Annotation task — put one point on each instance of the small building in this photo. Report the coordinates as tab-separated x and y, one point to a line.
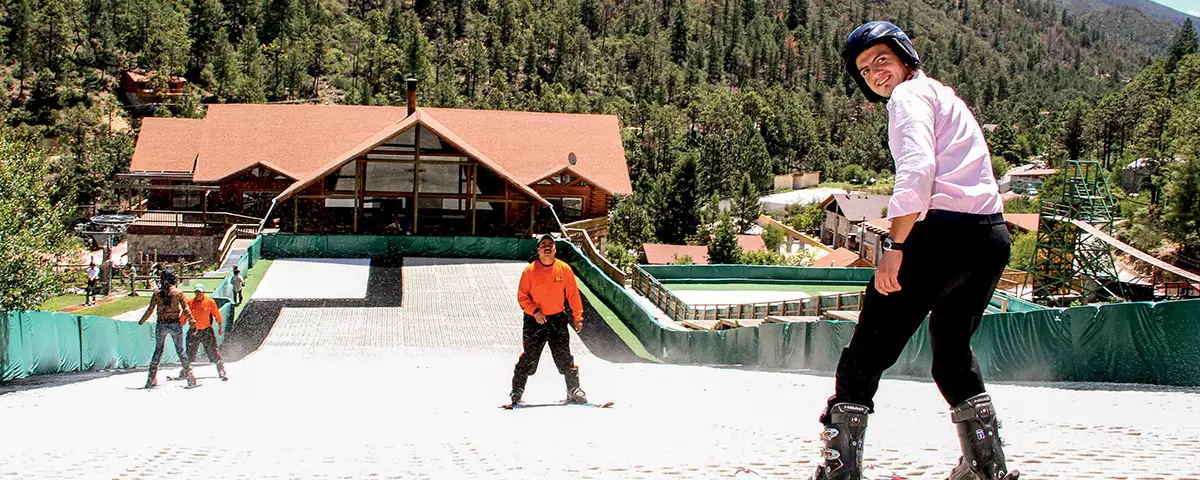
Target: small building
1029	182
1139	173
140	87
874	232
843	214
664	254
797	181
842	258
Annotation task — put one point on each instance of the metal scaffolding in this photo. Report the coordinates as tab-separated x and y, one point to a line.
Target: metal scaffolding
1072	262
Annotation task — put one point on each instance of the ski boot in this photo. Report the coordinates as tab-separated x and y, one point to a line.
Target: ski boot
518	387
843	437
979	436
152	379
221	372
574	393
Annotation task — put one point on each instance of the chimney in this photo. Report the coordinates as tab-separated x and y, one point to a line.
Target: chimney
412	95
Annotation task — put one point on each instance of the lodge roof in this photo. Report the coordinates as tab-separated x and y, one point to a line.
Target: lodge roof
303	141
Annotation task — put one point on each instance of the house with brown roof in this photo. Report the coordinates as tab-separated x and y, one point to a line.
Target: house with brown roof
664	254
368	169
140	87
844	213
842	258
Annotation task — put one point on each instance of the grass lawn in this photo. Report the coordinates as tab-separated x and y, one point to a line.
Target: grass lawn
112	309
54	304
812	290
615	323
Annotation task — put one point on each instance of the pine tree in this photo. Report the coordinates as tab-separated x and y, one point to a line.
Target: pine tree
723	248
797	15
205	20
745	207
679	36
1185	43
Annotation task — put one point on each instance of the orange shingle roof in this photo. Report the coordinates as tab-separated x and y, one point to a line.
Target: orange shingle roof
750	243
1025	221
167	145
296	140
302	140
841	257
662	254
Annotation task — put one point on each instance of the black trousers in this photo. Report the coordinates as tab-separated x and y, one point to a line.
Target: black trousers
535	336
208	338
950	269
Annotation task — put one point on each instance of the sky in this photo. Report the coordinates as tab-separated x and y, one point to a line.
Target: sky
1185	6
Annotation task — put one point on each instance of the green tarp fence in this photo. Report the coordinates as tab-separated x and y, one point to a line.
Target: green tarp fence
1156	343
1132	342
765	274
43	343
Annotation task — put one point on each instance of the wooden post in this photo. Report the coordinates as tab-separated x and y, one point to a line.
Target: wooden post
416	177
295	214
471	185
358	189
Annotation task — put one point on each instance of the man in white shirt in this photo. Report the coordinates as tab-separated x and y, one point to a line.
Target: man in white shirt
93	276
946	251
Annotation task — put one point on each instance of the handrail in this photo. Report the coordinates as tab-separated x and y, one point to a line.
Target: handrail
593	254
179	218
235	231
662	297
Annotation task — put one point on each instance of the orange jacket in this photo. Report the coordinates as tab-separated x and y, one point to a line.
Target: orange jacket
204	310
544	288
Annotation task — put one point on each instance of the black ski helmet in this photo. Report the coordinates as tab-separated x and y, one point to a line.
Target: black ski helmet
167	278
869	34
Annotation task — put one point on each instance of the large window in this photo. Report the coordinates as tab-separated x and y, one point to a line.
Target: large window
341	180
568	208
389	177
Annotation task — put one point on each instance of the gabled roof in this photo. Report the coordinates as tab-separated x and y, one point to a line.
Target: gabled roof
382	136
750	243
1037	172
295	139
663	254
857	207
167	145
303	140
841	257
542	142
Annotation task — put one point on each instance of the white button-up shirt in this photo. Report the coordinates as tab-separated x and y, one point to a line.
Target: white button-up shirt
942	160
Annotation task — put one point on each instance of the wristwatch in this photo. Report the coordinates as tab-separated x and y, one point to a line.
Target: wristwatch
889	245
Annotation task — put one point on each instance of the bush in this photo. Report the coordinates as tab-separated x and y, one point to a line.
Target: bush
773	236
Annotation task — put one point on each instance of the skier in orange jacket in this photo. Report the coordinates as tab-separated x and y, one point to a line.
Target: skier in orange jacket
546	285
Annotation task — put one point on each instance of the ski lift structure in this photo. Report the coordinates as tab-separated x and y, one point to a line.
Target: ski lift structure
103	229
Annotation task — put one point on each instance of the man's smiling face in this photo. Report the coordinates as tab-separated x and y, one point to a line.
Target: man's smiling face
881	69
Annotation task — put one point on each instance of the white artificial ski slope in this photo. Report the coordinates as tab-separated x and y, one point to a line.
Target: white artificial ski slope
312	278
413	392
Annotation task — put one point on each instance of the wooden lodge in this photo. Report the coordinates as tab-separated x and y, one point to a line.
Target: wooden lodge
383	170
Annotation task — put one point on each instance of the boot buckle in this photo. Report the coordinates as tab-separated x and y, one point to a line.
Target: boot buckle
830	454
829	434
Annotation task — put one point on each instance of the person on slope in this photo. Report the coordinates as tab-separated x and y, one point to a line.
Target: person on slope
205	310
172	308
546	284
947	248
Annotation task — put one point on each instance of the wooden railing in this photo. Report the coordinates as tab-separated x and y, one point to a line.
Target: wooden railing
664	299
235	231
172	218
583	240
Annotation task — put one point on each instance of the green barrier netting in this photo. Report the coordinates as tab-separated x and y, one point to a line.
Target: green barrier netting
1180	321
1119	343
41	342
1022	346
13	361
69	349
917	357
825	342
101	349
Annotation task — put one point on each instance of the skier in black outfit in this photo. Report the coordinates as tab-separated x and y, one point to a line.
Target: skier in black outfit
944	255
